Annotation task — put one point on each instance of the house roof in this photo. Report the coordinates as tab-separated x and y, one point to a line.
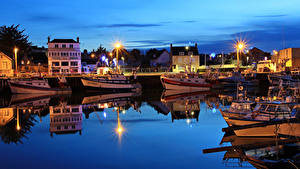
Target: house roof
63	41
3	54
176	50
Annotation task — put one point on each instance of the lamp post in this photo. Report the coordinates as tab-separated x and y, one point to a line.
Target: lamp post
239	47
16	61
117	47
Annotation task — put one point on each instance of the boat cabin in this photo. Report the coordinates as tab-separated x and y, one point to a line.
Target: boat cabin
273	108
242	106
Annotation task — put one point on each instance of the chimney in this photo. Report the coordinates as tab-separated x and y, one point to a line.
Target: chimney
77	39
48	39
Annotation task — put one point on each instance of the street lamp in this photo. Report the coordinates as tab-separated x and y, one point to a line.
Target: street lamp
92	55
16	61
239	47
117	47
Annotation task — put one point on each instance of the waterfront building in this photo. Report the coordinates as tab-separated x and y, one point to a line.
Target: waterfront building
64	56
184	58
65	119
6	65
287	59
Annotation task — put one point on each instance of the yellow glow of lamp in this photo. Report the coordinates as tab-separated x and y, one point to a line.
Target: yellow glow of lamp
117	45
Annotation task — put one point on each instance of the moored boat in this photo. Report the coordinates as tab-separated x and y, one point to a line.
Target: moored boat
35	85
185	82
110	82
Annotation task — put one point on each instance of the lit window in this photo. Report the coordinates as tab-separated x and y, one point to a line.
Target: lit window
181	53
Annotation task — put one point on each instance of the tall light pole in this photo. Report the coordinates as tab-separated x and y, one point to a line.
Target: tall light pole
16	61
239	47
117	47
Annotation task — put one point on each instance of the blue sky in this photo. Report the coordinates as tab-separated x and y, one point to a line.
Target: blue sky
213	24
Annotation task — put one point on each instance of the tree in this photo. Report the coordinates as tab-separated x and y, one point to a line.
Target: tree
11	37
100	50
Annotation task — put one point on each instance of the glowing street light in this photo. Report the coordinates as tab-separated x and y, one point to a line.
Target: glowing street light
16	61
92	55
275	52
240	45
117	47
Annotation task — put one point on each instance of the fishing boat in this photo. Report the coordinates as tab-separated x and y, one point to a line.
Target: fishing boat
36	85
184	81
110	82
239	108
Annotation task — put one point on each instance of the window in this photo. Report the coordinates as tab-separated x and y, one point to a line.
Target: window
71	46
4	65
63	46
66	127
181	53
56	45
190	53
75	109
55	63
64	63
58	127
74	64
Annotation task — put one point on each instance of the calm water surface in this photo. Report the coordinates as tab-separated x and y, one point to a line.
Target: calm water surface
159	130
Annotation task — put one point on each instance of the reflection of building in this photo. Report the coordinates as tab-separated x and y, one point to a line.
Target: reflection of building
6	115
185	58
65	119
5	65
64	56
185	110
289	58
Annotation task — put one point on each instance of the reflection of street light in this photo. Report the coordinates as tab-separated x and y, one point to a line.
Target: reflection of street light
110	54
119	129
18	121
16	61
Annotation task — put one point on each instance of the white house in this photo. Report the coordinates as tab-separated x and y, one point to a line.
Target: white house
64	56
163	59
185	58
65	119
6	65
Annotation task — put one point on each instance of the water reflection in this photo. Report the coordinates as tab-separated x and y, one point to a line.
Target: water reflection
65	119
73	116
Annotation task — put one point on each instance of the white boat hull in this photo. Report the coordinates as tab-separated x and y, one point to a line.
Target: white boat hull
185	88
102	85
28	90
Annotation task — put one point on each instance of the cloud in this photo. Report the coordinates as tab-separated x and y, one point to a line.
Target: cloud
128	25
190	21
44	18
270	16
